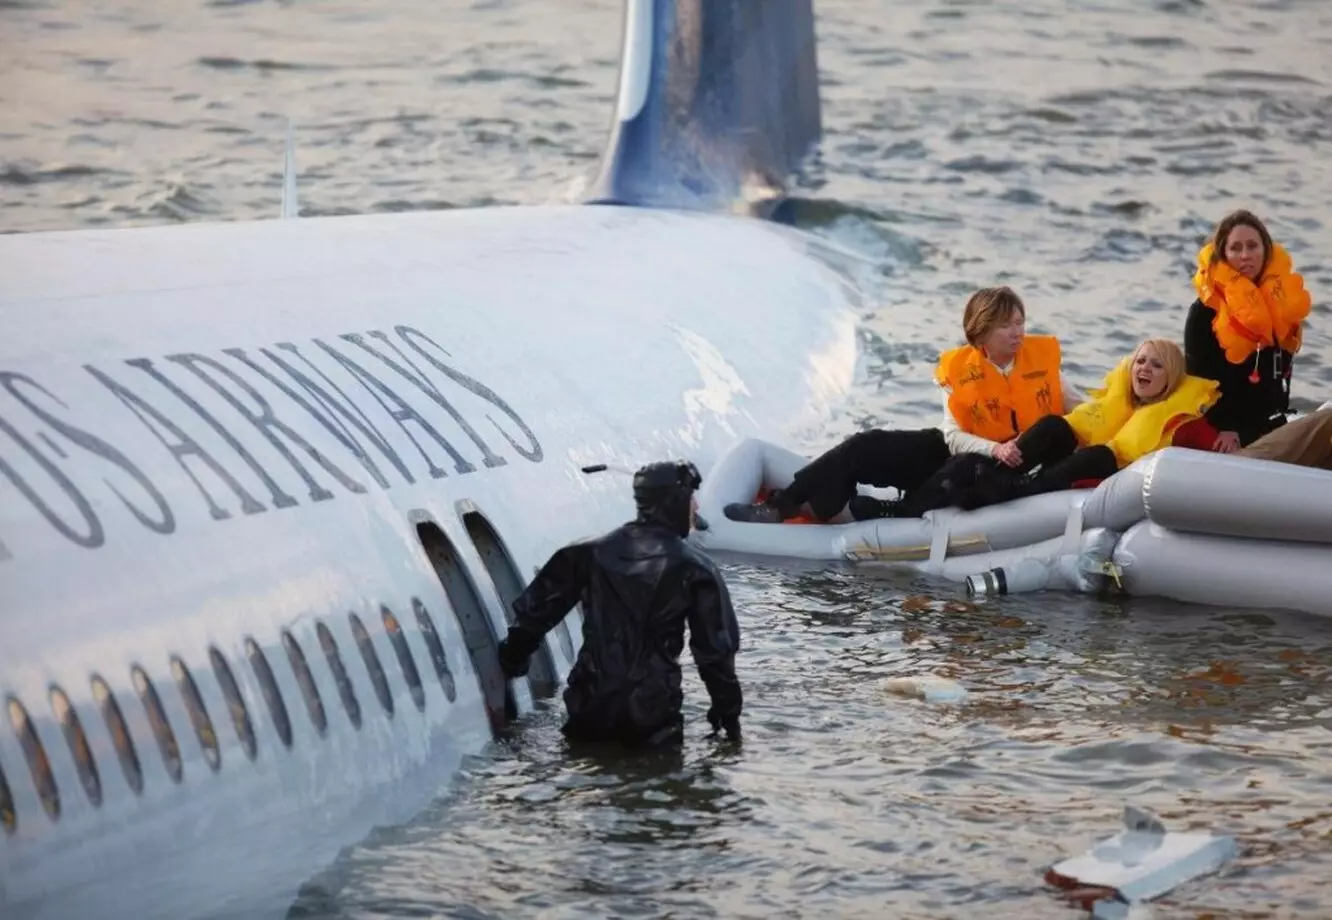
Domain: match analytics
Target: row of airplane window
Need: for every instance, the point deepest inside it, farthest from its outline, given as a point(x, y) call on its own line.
point(202, 723)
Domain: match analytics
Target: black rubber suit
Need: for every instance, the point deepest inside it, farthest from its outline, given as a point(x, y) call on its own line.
point(639, 585)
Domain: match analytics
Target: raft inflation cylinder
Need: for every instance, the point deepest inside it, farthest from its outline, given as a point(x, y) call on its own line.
point(1024, 576)
point(1087, 568)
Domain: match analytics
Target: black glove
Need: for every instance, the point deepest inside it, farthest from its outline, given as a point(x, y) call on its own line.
point(730, 723)
point(512, 662)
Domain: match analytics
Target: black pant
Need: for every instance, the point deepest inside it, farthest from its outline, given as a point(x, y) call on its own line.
point(627, 736)
point(904, 460)
point(975, 481)
point(1052, 445)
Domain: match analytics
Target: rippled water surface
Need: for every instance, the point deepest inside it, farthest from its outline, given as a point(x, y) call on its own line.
point(1077, 150)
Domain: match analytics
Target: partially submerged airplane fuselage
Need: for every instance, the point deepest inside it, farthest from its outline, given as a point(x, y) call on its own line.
point(267, 489)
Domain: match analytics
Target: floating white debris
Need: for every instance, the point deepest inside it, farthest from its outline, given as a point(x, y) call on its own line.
point(1142, 862)
point(927, 687)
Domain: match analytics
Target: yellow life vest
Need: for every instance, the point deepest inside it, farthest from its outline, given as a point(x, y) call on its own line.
point(1110, 417)
point(990, 405)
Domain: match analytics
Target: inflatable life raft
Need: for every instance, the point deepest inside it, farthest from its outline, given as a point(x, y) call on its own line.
point(1183, 524)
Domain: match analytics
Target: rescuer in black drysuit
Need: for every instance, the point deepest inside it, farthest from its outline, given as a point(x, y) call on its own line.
point(639, 584)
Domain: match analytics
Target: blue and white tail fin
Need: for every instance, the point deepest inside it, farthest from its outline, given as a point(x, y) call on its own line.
point(718, 104)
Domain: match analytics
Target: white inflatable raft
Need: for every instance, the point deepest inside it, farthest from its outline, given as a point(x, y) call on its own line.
point(1183, 524)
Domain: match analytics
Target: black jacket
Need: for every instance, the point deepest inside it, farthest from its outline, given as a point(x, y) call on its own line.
point(1248, 408)
point(639, 585)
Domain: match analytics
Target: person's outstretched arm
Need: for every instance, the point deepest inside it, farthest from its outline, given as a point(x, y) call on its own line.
point(714, 639)
point(546, 601)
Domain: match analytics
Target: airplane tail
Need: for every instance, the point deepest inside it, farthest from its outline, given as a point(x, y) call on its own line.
point(718, 104)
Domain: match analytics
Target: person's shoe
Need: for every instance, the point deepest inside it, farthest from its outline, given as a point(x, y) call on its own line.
point(756, 513)
point(774, 509)
point(868, 508)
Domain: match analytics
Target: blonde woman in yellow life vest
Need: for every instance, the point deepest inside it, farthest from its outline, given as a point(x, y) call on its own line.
point(1147, 402)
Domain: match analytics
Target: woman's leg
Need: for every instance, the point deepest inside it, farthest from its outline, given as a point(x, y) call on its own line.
point(1087, 463)
point(901, 459)
point(1304, 442)
point(994, 487)
point(1050, 440)
point(975, 480)
point(941, 489)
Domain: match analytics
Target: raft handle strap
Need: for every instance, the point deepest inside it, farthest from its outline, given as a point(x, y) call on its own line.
point(943, 527)
point(1073, 527)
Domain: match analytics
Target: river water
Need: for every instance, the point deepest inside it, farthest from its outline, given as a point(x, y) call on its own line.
point(1077, 150)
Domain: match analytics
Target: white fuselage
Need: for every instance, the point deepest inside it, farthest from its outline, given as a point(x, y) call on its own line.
point(221, 442)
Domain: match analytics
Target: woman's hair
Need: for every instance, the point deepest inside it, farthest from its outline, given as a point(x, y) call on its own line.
point(1240, 218)
point(987, 310)
point(1172, 359)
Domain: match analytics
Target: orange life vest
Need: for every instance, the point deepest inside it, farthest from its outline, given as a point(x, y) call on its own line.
point(1251, 316)
point(990, 405)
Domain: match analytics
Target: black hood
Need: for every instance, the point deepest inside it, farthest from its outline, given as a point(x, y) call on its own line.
point(662, 492)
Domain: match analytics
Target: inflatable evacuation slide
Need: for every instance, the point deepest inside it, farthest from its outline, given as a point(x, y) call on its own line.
point(1183, 524)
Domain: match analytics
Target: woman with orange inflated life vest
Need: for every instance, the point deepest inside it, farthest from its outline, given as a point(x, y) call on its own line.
point(995, 387)
point(1245, 328)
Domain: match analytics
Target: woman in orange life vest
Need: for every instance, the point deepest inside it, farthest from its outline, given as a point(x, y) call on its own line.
point(995, 386)
point(1148, 402)
point(1245, 328)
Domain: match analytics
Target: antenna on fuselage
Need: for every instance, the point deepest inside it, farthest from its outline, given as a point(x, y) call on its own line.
point(608, 467)
point(290, 206)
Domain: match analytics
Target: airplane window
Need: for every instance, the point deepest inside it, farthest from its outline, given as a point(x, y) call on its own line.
point(78, 745)
point(377, 678)
point(404, 653)
point(120, 736)
point(8, 816)
point(157, 718)
point(38, 765)
point(194, 706)
point(345, 688)
point(301, 668)
point(272, 695)
point(240, 716)
point(436, 649)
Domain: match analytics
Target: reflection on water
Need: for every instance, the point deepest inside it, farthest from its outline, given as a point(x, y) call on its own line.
point(844, 799)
